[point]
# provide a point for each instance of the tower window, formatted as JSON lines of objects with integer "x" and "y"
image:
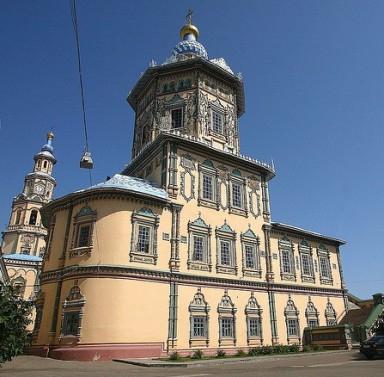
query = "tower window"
{"x": 33, "y": 217}
{"x": 45, "y": 164}
{"x": 18, "y": 216}
{"x": 217, "y": 122}
{"x": 177, "y": 118}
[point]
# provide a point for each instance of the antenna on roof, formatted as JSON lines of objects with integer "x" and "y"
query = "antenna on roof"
{"x": 86, "y": 161}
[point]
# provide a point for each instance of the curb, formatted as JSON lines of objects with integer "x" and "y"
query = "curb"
{"x": 166, "y": 364}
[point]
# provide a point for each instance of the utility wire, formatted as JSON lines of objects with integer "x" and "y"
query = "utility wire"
{"x": 75, "y": 29}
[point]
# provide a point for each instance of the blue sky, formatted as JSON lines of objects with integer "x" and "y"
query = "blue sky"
{"x": 314, "y": 82}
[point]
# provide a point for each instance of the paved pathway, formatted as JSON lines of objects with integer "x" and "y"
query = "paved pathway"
{"x": 346, "y": 364}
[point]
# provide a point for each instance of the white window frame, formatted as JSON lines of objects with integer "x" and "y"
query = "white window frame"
{"x": 199, "y": 308}
{"x": 324, "y": 265}
{"x": 227, "y": 315}
{"x": 144, "y": 217}
{"x": 199, "y": 228}
{"x": 287, "y": 259}
{"x": 86, "y": 217}
{"x": 250, "y": 240}
{"x": 225, "y": 235}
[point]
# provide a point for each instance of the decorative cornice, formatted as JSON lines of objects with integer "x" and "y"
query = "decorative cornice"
{"x": 111, "y": 271}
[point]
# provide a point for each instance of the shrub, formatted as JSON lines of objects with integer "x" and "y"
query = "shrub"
{"x": 14, "y": 319}
{"x": 293, "y": 348}
{"x": 198, "y": 354}
{"x": 280, "y": 348}
{"x": 174, "y": 356}
{"x": 241, "y": 353}
{"x": 307, "y": 349}
{"x": 220, "y": 353}
{"x": 267, "y": 350}
{"x": 254, "y": 351}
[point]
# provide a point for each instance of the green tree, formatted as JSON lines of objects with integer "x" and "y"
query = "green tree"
{"x": 14, "y": 319}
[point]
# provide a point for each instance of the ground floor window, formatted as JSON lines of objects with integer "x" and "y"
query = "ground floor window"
{"x": 293, "y": 327}
{"x": 199, "y": 327}
{"x": 226, "y": 327}
{"x": 71, "y": 323}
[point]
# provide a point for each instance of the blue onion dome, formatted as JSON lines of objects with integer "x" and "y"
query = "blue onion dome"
{"x": 188, "y": 47}
{"x": 47, "y": 149}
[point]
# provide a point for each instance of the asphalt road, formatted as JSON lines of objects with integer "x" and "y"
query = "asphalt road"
{"x": 345, "y": 364}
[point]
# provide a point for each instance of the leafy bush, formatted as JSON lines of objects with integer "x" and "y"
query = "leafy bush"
{"x": 266, "y": 350}
{"x": 241, "y": 353}
{"x": 14, "y": 319}
{"x": 174, "y": 356}
{"x": 220, "y": 353}
{"x": 254, "y": 351}
{"x": 317, "y": 347}
{"x": 198, "y": 354}
{"x": 293, "y": 348}
{"x": 307, "y": 349}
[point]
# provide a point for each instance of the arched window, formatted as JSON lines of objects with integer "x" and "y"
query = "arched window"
{"x": 45, "y": 164}
{"x": 227, "y": 321}
{"x": 312, "y": 314}
{"x": 199, "y": 319}
{"x": 19, "y": 284}
{"x": 18, "y": 216}
{"x": 33, "y": 217}
{"x": 254, "y": 329}
{"x": 292, "y": 322}
{"x": 38, "y": 164}
{"x": 330, "y": 314}
{"x": 72, "y": 313}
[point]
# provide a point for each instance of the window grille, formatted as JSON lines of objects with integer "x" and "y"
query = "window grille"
{"x": 177, "y": 118}
{"x": 143, "y": 239}
{"x": 225, "y": 253}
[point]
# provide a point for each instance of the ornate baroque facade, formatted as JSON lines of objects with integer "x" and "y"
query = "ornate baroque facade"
{"x": 179, "y": 252}
{"x": 24, "y": 240}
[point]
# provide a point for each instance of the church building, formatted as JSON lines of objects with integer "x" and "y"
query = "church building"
{"x": 24, "y": 239}
{"x": 179, "y": 251}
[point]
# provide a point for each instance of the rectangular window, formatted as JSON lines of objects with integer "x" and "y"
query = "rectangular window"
{"x": 217, "y": 122}
{"x": 293, "y": 327}
{"x": 313, "y": 323}
{"x": 250, "y": 260}
{"x": 199, "y": 327}
{"x": 207, "y": 187}
{"x": 71, "y": 323}
{"x": 84, "y": 235}
{"x": 286, "y": 261}
{"x": 254, "y": 327}
{"x": 143, "y": 239}
{"x": 237, "y": 195}
{"x": 226, "y": 328}
{"x": 198, "y": 248}
{"x": 306, "y": 264}
{"x": 225, "y": 253}
{"x": 177, "y": 118}
{"x": 325, "y": 269}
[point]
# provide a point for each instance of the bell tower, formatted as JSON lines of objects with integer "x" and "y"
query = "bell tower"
{"x": 189, "y": 95}
{"x": 25, "y": 233}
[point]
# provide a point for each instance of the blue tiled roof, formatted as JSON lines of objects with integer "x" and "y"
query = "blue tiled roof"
{"x": 133, "y": 184}
{"x": 23, "y": 257}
